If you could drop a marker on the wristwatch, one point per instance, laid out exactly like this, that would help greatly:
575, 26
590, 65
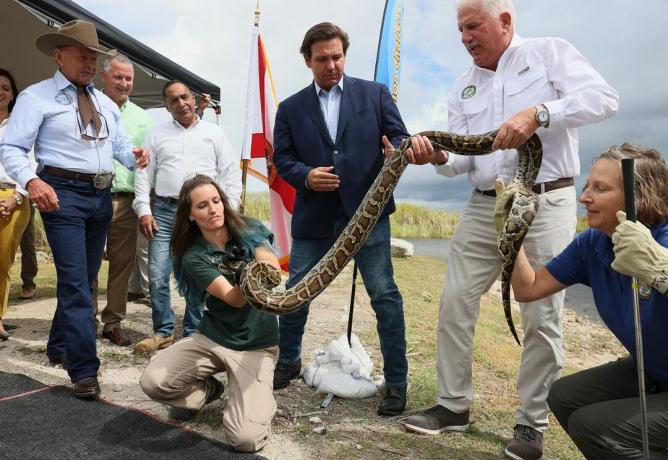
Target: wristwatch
542, 116
19, 198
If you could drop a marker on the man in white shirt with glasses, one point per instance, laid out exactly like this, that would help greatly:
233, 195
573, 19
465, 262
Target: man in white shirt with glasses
520, 86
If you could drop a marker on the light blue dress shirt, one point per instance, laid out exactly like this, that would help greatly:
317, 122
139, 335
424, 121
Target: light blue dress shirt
330, 103
46, 115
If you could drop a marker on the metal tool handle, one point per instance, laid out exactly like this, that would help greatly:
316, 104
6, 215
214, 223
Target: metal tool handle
628, 176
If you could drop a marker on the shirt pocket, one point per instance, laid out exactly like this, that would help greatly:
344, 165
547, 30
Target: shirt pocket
530, 89
475, 111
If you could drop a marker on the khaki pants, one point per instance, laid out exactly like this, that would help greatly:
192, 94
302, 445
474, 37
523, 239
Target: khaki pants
473, 267
176, 376
10, 236
121, 247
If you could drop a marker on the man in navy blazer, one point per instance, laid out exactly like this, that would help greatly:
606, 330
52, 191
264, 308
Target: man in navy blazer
328, 142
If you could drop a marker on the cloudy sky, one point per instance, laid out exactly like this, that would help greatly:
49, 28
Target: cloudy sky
623, 40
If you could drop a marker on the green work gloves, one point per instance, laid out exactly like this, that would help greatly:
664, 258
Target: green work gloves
638, 254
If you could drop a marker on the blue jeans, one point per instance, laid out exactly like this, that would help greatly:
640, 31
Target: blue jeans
76, 233
375, 265
159, 270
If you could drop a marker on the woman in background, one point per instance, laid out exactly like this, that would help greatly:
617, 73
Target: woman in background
14, 205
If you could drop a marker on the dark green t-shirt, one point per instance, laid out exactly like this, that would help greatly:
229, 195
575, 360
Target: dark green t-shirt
244, 328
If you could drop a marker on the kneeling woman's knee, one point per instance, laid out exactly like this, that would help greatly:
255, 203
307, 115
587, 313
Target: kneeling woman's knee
152, 384
248, 437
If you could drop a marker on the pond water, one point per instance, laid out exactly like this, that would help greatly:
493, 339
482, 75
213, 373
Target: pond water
578, 297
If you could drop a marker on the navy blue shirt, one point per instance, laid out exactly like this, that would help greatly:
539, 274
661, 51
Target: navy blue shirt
587, 260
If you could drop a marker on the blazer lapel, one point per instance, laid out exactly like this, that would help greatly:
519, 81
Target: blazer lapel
313, 107
347, 106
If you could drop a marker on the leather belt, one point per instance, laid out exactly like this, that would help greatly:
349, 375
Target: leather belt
168, 199
67, 174
121, 194
543, 187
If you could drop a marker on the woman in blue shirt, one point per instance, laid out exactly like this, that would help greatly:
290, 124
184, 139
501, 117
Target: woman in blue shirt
599, 408
210, 242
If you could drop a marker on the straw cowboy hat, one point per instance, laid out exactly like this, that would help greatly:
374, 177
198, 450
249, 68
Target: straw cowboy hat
73, 33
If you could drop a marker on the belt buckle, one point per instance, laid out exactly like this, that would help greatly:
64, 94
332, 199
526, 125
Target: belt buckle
103, 180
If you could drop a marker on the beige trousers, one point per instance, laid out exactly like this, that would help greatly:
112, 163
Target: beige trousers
473, 267
10, 237
176, 376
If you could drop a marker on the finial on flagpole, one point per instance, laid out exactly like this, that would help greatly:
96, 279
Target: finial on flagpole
257, 14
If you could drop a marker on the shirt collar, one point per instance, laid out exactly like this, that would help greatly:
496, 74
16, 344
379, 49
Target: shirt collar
318, 88
62, 82
4, 122
179, 125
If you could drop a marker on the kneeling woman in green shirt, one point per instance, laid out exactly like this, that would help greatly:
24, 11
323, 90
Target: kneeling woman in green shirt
208, 242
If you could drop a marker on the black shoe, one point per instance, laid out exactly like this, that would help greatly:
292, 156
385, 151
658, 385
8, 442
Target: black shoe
286, 372
527, 444
214, 389
135, 296
436, 420
87, 388
394, 401
55, 360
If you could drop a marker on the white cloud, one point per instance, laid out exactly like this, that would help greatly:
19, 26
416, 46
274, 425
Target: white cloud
623, 40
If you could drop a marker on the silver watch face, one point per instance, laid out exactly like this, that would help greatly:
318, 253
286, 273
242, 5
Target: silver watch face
543, 116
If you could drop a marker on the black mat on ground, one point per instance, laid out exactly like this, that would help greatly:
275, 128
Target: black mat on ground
14, 384
53, 424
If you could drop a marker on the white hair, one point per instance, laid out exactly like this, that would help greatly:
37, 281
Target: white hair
119, 58
493, 7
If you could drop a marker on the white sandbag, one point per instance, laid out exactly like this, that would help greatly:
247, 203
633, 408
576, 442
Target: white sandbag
341, 370
343, 385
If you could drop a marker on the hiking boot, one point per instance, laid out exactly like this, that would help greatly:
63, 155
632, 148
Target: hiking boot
87, 388
394, 401
286, 372
27, 293
155, 343
527, 444
436, 420
214, 390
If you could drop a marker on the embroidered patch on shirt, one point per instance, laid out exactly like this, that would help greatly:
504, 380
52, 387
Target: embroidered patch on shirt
468, 92
523, 71
63, 98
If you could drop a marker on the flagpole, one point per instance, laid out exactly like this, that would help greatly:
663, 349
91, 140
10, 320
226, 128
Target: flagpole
245, 163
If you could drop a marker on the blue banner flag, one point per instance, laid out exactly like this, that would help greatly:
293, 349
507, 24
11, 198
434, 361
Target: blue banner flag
388, 59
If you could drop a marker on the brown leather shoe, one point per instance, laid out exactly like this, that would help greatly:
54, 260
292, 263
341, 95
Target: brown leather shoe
87, 388
27, 293
117, 337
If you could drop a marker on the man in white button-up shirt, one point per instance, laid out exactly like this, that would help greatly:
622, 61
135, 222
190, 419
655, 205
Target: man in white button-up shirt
521, 86
183, 147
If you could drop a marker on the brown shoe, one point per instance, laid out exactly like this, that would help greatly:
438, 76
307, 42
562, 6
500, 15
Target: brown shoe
87, 388
117, 337
155, 343
27, 293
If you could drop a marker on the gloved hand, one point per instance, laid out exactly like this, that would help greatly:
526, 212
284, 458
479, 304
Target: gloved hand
233, 263
638, 254
503, 196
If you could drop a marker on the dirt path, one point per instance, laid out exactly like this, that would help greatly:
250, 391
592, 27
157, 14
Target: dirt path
120, 369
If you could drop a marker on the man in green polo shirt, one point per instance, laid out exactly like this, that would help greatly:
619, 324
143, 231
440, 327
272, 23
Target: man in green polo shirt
117, 74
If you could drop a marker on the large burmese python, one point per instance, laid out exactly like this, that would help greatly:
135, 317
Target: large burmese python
258, 279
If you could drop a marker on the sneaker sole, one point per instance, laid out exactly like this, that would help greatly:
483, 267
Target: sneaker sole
513, 456
419, 429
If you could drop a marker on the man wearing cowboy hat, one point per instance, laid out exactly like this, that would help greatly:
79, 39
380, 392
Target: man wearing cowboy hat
76, 132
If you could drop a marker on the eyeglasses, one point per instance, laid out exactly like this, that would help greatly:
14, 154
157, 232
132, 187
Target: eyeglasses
104, 128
